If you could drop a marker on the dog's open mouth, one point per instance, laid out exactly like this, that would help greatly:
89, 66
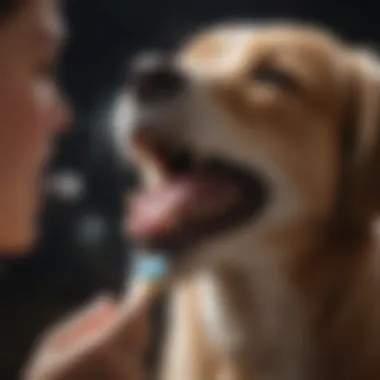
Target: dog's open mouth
196, 199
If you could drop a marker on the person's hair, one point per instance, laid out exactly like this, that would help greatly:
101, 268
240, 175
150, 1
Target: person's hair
8, 8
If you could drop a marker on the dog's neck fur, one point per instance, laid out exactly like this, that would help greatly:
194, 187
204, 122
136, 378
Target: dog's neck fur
249, 310
276, 312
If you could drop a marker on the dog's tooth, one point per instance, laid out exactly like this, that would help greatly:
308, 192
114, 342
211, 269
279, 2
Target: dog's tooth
153, 178
152, 175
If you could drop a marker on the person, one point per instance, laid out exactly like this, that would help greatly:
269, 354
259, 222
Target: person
104, 340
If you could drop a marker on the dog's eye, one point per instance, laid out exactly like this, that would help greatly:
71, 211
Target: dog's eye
275, 76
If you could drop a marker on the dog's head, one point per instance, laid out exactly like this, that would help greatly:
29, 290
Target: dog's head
247, 129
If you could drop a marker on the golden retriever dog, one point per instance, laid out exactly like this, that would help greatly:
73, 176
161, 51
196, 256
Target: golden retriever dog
258, 149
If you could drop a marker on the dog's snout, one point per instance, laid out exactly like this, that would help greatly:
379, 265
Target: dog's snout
154, 78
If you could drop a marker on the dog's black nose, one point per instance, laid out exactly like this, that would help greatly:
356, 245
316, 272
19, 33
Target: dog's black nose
154, 78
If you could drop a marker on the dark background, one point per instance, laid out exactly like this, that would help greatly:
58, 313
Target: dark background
82, 250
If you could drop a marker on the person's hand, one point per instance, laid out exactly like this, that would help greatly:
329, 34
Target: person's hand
103, 341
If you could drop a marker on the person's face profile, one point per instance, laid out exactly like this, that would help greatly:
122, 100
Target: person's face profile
32, 112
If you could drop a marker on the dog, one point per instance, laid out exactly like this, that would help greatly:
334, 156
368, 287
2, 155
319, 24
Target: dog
259, 153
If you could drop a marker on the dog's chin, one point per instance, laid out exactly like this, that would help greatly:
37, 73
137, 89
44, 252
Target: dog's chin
198, 201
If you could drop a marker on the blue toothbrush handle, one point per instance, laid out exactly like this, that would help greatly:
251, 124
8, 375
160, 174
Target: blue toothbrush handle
150, 273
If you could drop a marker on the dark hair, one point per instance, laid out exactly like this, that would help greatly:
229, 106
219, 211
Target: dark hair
8, 8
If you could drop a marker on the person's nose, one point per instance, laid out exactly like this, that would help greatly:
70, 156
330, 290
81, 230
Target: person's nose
63, 114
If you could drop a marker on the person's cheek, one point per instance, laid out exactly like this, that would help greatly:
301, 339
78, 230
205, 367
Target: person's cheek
18, 119
46, 115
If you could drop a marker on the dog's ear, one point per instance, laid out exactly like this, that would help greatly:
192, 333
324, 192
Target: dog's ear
359, 195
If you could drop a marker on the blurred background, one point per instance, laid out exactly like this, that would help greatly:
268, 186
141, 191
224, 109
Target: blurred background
82, 250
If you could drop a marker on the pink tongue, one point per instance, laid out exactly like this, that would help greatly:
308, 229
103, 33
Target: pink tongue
181, 200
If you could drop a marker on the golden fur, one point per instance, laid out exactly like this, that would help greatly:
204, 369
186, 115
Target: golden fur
295, 294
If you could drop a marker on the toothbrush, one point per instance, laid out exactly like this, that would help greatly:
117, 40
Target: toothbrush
150, 275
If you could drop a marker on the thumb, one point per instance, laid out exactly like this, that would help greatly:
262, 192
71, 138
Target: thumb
84, 322
131, 323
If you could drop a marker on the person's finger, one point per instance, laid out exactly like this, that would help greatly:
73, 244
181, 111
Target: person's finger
89, 339
102, 361
130, 322
136, 338
91, 318
98, 305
